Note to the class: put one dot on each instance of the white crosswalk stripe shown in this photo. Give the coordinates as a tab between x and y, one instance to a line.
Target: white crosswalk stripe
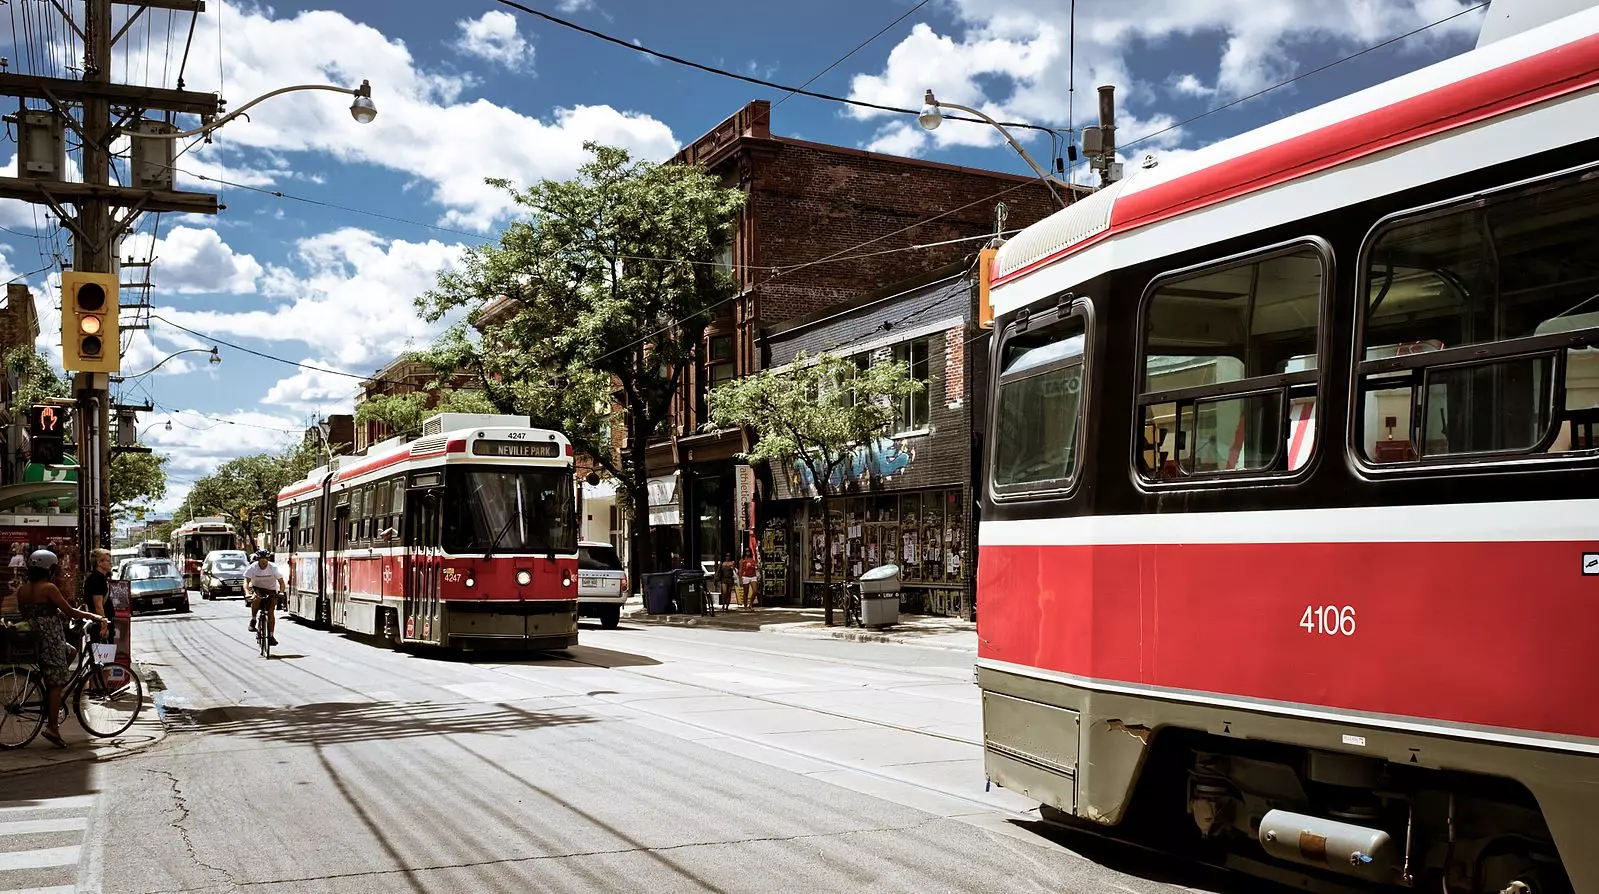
41	844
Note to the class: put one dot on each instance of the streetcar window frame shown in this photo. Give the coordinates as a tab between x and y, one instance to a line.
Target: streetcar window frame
1315	383
1555	346
1068	307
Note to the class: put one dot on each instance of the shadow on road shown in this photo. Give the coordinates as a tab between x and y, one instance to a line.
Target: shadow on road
329	723
1141	862
589	656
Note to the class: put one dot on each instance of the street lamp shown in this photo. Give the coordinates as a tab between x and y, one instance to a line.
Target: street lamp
361	109
932	116
215	359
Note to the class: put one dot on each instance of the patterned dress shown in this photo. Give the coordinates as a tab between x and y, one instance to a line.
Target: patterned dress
55	656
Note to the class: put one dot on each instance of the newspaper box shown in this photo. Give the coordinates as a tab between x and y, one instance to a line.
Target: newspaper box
880	596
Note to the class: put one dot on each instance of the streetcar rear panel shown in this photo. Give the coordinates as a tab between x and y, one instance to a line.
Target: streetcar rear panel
465	537
1311	593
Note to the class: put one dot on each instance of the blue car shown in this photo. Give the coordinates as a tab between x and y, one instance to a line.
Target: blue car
157	585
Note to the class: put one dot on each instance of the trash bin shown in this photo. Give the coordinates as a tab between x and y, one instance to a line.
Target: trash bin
690	586
659	591
880	596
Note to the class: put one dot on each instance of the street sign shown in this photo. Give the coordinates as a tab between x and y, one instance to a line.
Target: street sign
43	473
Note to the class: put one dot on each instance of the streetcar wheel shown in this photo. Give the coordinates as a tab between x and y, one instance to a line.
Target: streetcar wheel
105	712
21	708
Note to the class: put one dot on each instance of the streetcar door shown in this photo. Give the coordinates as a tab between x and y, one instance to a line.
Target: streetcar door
422	573
339	568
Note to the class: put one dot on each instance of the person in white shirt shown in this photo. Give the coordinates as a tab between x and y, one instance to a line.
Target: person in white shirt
262	583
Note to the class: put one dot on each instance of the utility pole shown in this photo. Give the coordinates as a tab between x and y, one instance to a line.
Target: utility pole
1099	142
97	228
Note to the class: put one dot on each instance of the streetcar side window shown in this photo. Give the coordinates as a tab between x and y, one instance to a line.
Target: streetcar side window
1230	367
1480	330
1038	409
380	510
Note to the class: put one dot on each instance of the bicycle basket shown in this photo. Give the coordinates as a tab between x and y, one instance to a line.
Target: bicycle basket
19	643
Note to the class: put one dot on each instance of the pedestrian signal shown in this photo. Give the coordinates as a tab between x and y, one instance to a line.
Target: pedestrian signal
47	427
90	339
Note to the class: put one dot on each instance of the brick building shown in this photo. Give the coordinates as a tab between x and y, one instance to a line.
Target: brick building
823	225
335	435
907	498
19	326
402	376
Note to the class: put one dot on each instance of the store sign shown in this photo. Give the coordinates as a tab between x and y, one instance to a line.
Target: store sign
744	501
536	449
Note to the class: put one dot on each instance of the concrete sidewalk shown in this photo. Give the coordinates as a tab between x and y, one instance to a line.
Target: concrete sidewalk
145	732
927	631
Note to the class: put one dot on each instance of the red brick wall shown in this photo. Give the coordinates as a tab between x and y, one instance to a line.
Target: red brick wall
809	202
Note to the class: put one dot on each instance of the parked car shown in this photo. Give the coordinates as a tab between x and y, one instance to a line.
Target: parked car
222	573
601	583
156	584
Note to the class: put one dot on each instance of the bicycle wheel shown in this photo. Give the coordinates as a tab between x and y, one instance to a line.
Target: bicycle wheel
104	708
21	707
263	637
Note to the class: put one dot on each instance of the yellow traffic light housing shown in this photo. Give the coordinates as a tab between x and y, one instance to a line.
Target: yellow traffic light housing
90	338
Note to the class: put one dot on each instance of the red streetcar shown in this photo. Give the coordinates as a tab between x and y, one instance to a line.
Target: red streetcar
464	537
1289	549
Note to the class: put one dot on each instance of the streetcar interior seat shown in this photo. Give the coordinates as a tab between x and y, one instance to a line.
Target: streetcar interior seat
1581	417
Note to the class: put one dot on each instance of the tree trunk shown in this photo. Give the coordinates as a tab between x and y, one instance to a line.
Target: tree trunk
827	557
641	539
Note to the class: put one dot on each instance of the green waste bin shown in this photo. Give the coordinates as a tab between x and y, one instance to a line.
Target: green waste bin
690	591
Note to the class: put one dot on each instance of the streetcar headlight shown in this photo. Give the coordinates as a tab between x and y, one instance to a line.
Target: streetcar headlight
470	582
566	581
523	578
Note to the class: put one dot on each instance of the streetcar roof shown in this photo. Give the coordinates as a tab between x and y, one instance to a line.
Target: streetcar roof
429	450
1527	93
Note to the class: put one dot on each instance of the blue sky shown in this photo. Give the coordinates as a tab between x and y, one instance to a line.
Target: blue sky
472	89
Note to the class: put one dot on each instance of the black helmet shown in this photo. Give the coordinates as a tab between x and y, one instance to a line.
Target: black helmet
43	558
261	554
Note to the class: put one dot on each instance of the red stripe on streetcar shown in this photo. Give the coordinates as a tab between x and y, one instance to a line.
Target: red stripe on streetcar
1557	72
1412	629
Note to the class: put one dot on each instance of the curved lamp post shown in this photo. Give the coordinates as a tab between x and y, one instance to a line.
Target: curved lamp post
361	109
932	116
215	359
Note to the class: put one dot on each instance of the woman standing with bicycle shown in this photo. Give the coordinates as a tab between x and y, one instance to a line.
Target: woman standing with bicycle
42	604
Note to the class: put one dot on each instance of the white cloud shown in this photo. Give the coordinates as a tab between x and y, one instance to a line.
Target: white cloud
313	391
574	5
898	138
190	259
1023	45
425	126
199	442
353	304
493	37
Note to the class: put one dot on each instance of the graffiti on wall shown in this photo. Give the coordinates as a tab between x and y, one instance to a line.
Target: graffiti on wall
867	464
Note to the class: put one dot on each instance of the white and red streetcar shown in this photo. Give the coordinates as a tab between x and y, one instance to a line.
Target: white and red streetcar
465	537
1289	547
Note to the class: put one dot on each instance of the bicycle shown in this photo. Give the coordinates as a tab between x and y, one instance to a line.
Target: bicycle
263	635
104	709
847	597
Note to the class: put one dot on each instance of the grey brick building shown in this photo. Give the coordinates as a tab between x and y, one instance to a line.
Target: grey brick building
908	498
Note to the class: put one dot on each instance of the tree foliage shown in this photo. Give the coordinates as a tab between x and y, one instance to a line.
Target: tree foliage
35	379
403	414
613	274
244	491
816	412
136	480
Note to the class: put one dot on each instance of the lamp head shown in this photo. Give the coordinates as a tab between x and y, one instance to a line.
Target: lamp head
362	109
931	117
215	359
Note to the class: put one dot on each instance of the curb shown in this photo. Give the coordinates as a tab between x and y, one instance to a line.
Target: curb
802	630
149	731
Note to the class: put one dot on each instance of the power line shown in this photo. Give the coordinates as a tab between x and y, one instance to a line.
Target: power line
748	79
320	369
858	47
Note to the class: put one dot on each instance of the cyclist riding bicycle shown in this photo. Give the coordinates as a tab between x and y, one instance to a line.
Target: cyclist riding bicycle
262	584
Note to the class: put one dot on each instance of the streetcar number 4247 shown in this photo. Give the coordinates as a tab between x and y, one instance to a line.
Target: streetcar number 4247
1329	620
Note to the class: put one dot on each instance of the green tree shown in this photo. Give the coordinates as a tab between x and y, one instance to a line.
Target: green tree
613	273
403	414
244	490
136	479
817	413
36	378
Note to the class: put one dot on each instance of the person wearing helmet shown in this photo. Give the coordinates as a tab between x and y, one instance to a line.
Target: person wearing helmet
41	603
262	584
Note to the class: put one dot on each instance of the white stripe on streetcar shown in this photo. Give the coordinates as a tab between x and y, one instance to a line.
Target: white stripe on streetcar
43	858
32	827
11	808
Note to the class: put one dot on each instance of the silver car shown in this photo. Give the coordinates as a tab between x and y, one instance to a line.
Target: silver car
601	583
156	584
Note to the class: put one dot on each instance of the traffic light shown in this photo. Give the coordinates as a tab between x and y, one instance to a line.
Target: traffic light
47	425
89	337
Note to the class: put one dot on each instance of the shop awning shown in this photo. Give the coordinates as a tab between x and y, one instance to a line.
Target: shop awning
665	505
605	490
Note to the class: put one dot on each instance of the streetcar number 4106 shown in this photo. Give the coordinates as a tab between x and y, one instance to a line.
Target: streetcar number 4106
1329	620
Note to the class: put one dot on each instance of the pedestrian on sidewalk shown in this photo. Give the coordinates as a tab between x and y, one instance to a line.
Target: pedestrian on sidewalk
747	577
724	575
43	605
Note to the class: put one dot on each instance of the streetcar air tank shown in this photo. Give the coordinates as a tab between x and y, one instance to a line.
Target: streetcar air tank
1327	844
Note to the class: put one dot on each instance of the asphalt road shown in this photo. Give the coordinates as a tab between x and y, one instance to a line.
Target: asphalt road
649	759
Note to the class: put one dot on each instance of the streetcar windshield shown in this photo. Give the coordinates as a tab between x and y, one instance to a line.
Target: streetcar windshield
509	510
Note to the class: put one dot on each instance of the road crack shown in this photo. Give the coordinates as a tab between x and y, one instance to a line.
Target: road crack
609	852
182	806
